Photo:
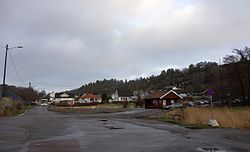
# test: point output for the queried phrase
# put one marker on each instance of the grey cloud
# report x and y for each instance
(69, 43)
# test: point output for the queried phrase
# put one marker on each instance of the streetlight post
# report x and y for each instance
(5, 66)
(4, 72)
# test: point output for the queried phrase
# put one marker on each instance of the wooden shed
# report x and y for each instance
(159, 99)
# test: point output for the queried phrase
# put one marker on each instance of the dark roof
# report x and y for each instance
(123, 92)
(161, 94)
(70, 95)
(156, 95)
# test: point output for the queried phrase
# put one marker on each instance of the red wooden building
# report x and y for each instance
(159, 99)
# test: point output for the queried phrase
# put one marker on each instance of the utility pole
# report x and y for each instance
(4, 72)
(5, 67)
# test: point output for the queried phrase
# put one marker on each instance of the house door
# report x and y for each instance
(164, 102)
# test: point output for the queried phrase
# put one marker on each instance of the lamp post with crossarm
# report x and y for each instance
(5, 66)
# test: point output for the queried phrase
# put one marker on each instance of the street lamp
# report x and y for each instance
(5, 64)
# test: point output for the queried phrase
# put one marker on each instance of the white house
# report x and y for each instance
(90, 98)
(139, 94)
(64, 97)
(122, 95)
(51, 97)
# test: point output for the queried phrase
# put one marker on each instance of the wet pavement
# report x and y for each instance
(44, 131)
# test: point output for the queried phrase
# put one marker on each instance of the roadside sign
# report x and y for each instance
(210, 92)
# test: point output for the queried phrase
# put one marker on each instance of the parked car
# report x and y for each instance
(219, 102)
(203, 103)
(236, 100)
(190, 104)
(206, 101)
(44, 102)
(173, 106)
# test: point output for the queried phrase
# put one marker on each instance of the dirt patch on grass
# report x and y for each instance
(234, 117)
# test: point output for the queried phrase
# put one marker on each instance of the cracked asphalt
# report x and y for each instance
(44, 131)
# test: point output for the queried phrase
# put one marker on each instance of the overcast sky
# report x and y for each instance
(68, 43)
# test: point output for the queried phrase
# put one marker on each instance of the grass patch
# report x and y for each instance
(233, 117)
(28, 107)
(99, 108)
(84, 110)
(109, 106)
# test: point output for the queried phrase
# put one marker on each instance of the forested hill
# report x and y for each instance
(193, 79)
(229, 80)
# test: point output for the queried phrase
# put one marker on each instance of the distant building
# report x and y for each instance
(64, 97)
(139, 94)
(122, 95)
(200, 95)
(161, 98)
(90, 98)
(51, 97)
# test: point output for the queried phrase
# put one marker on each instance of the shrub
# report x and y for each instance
(9, 107)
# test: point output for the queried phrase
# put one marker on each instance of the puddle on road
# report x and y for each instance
(109, 125)
(210, 149)
(112, 127)
(241, 138)
(244, 138)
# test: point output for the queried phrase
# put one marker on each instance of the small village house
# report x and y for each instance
(122, 95)
(90, 98)
(139, 95)
(51, 97)
(64, 97)
(160, 99)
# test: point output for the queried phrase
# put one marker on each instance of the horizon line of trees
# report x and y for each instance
(229, 81)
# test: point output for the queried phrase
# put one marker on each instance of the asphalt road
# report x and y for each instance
(44, 131)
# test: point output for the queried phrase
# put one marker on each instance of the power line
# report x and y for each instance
(15, 68)
(2, 46)
(52, 85)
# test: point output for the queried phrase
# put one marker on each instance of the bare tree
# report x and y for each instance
(245, 59)
(241, 65)
(247, 52)
(234, 61)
